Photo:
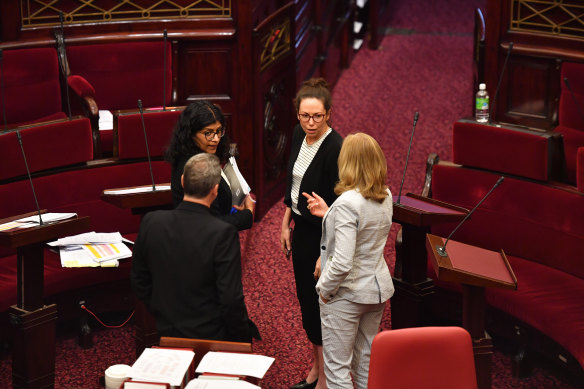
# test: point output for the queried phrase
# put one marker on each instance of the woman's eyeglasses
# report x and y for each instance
(317, 117)
(210, 135)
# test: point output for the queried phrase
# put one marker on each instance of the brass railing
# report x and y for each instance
(46, 12)
(553, 17)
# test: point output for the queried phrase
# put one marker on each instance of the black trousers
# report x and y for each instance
(305, 253)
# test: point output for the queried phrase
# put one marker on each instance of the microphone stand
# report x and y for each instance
(165, 35)
(29, 177)
(500, 79)
(441, 250)
(416, 116)
(146, 140)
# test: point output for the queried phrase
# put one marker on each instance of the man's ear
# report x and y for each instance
(215, 190)
(182, 181)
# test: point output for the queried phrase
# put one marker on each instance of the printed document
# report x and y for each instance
(251, 365)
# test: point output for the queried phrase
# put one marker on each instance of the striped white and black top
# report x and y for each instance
(305, 157)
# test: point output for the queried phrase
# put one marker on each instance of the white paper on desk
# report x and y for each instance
(88, 237)
(14, 224)
(76, 256)
(101, 252)
(202, 383)
(251, 365)
(162, 365)
(47, 217)
(138, 189)
(106, 120)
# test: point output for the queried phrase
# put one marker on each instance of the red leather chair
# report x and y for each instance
(424, 358)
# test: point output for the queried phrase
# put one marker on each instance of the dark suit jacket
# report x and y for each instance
(187, 269)
(321, 176)
(221, 207)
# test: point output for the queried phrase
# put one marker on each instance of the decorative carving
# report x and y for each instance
(560, 18)
(46, 12)
(275, 44)
(275, 137)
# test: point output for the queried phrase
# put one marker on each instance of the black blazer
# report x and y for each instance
(321, 176)
(221, 207)
(187, 269)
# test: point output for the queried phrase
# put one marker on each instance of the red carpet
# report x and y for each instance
(428, 70)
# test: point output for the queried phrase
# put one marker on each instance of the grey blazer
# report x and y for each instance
(354, 233)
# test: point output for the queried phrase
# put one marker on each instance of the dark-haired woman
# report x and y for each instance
(201, 129)
(312, 168)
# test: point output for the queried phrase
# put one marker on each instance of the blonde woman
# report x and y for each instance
(355, 282)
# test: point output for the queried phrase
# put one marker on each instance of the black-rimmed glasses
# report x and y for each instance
(317, 117)
(210, 135)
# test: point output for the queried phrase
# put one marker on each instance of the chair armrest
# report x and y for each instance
(86, 93)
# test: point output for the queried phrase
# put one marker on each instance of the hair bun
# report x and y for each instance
(316, 83)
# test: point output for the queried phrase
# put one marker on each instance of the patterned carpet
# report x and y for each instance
(423, 64)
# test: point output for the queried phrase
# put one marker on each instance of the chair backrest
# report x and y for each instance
(422, 358)
(122, 73)
(202, 346)
(31, 85)
(129, 142)
(571, 112)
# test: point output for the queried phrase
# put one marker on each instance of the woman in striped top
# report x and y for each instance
(312, 168)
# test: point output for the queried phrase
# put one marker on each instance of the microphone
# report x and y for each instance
(165, 35)
(493, 106)
(61, 21)
(416, 116)
(146, 140)
(3, 101)
(576, 102)
(442, 249)
(29, 177)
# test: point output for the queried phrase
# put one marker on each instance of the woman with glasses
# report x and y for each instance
(312, 168)
(201, 129)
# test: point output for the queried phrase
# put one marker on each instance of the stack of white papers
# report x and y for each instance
(138, 189)
(33, 221)
(106, 120)
(237, 364)
(92, 250)
(162, 365)
(204, 383)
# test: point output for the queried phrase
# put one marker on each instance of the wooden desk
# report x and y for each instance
(33, 351)
(412, 287)
(475, 269)
(141, 203)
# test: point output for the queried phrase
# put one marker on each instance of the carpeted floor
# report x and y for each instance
(424, 65)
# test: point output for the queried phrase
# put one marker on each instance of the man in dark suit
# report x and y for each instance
(187, 264)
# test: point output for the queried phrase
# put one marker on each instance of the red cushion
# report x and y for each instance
(573, 139)
(46, 146)
(122, 73)
(548, 300)
(31, 84)
(81, 87)
(535, 221)
(159, 127)
(500, 149)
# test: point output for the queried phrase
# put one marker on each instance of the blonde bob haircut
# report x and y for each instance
(362, 166)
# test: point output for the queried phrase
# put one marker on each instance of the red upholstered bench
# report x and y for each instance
(67, 179)
(540, 226)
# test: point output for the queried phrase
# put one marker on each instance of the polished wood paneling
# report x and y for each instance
(530, 86)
